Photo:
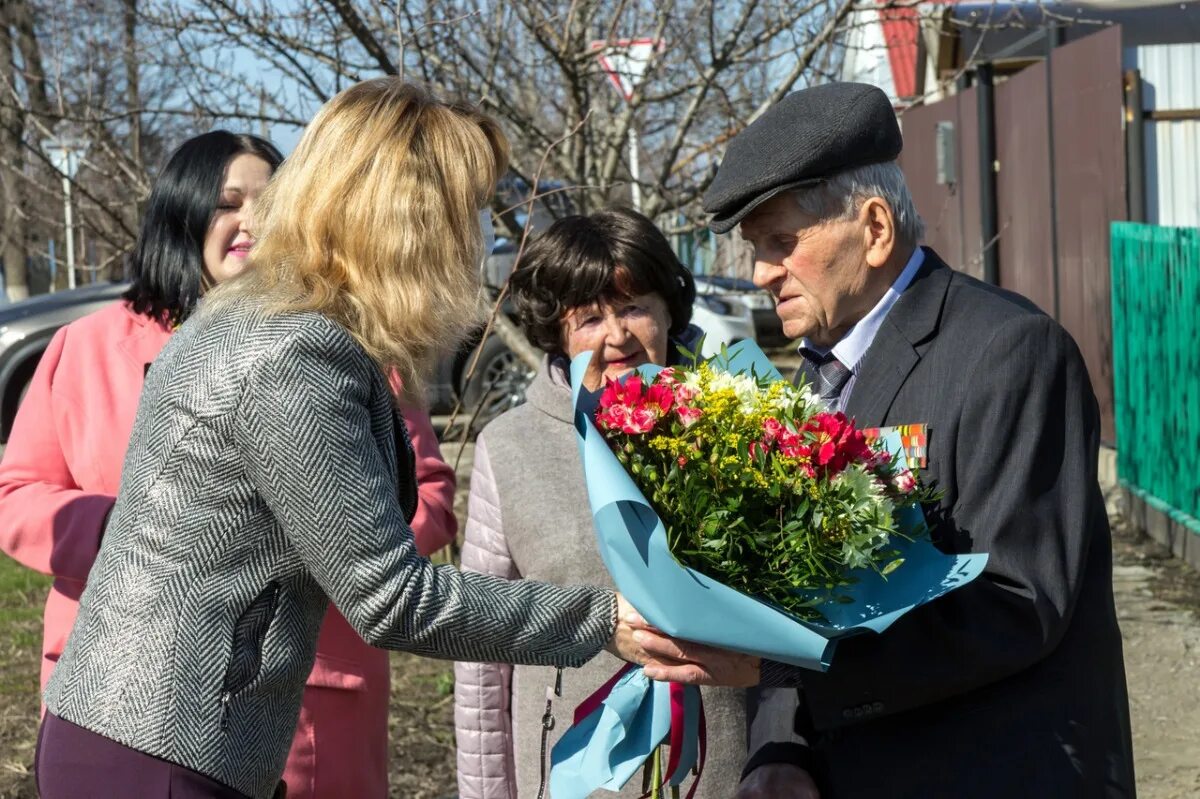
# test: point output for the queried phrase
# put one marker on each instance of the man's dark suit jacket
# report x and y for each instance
(1012, 686)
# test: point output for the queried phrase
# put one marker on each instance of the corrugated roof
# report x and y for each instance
(901, 33)
(901, 28)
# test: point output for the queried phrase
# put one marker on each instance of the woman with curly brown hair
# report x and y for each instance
(608, 284)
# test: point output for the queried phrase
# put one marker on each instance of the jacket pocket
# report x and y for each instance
(406, 468)
(245, 658)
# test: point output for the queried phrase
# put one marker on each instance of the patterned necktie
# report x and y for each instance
(828, 373)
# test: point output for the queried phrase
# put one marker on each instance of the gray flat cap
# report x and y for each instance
(807, 136)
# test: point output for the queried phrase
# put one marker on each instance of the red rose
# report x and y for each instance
(792, 445)
(773, 429)
(641, 420)
(632, 407)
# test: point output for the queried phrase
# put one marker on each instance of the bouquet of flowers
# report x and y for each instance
(731, 509)
(757, 484)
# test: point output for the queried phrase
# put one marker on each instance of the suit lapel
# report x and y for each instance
(885, 367)
(894, 353)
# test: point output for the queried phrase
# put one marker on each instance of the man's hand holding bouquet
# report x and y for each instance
(735, 511)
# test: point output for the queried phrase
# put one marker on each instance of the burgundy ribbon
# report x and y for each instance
(675, 741)
(676, 737)
(596, 699)
(703, 749)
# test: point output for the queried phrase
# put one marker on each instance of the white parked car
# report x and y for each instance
(724, 321)
(750, 304)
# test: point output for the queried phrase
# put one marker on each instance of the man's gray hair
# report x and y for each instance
(841, 197)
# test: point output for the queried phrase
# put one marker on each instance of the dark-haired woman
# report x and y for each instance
(607, 280)
(62, 468)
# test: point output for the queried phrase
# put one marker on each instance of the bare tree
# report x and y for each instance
(81, 69)
(533, 64)
(22, 91)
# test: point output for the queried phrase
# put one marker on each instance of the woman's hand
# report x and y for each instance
(669, 660)
(623, 643)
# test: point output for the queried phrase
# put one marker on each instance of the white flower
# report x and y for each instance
(744, 387)
(865, 488)
(803, 402)
(872, 514)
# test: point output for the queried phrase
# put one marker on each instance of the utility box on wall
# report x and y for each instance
(946, 153)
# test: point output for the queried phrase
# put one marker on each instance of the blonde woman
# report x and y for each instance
(262, 474)
(62, 465)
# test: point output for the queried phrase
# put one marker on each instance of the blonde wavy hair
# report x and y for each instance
(373, 221)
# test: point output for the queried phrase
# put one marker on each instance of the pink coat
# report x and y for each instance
(59, 478)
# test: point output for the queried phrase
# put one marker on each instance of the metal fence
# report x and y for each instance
(1156, 330)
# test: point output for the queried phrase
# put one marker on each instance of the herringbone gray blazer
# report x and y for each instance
(260, 483)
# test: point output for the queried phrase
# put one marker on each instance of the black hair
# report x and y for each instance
(583, 260)
(167, 264)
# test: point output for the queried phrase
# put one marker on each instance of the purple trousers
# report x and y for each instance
(74, 762)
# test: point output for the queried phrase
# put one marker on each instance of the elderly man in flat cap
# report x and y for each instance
(1012, 686)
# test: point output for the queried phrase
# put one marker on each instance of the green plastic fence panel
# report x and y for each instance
(1156, 360)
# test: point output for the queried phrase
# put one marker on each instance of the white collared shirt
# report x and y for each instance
(851, 348)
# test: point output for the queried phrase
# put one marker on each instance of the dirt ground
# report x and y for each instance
(1158, 601)
(1158, 605)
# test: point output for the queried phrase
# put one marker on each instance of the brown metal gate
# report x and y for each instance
(1090, 181)
(1059, 182)
(950, 210)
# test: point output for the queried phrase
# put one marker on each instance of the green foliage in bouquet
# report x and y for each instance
(758, 486)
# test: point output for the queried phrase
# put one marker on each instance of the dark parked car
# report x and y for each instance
(26, 327)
